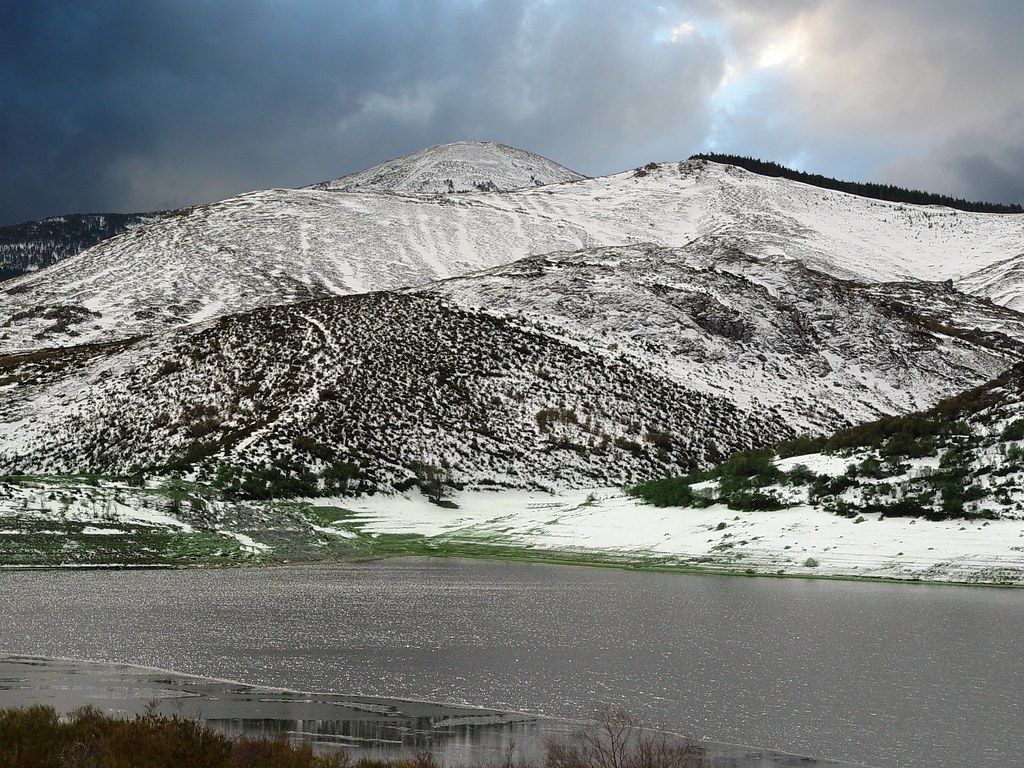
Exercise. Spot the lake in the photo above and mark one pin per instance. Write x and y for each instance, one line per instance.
(880, 674)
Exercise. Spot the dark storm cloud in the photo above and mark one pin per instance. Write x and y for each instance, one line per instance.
(121, 105)
(981, 163)
(139, 105)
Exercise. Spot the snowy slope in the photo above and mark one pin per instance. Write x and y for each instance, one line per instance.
(958, 461)
(598, 367)
(763, 333)
(276, 246)
(463, 166)
(1002, 282)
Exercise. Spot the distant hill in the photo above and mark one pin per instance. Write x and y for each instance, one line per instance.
(33, 245)
(875, 191)
(463, 166)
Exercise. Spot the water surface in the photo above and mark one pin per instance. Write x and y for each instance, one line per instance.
(881, 674)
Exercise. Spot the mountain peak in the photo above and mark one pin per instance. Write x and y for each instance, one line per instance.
(462, 166)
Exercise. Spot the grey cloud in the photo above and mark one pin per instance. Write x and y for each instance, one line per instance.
(928, 66)
(118, 105)
(131, 106)
(922, 93)
(983, 163)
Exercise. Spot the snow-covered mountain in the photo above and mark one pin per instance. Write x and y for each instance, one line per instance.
(581, 333)
(463, 166)
(272, 247)
(598, 367)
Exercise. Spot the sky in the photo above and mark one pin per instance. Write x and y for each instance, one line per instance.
(137, 105)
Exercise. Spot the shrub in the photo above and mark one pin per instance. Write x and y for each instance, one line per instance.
(618, 740)
(910, 506)
(872, 468)
(757, 464)
(800, 474)
(753, 501)
(167, 368)
(36, 737)
(800, 446)
(908, 445)
(669, 492)
(825, 486)
(1014, 430)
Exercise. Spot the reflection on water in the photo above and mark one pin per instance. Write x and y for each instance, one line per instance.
(891, 675)
(366, 727)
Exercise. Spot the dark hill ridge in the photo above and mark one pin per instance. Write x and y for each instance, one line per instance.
(875, 191)
(372, 388)
(33, 245)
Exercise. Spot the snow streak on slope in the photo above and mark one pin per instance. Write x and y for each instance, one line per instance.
(1002, 282)
(464, 166)
(277, 246)
(763, 333)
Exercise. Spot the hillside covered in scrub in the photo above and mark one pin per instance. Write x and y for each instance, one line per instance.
(962, 459)
(592, 368)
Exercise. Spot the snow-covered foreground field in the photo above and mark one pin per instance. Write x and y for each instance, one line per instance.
(608, 525)
(81, 522)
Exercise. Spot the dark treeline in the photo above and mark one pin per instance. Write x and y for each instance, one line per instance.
(876, 191)
(37, 244)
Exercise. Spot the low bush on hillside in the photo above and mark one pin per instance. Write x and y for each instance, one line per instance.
(670, 492)
(800, 446)
(740, 480)
(1014, 430)
(911, 436)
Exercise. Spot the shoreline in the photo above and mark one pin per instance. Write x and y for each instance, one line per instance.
(94, 680)
(70, 523)
(553, 557)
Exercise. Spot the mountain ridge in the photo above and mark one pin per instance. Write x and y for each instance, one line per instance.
(32, 245)
(277, 246)
(873, 190)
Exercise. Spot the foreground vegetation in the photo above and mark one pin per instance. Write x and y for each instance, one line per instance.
(962, 459)
(36, 737)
